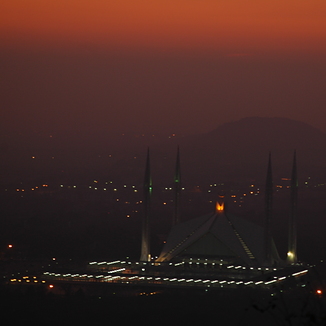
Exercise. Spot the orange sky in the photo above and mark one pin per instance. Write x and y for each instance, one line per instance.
(230, 25)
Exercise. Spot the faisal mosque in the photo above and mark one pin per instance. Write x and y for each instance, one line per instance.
(216, 250)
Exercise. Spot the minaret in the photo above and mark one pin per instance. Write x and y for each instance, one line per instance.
(145, 242)
(268, 212)
(292, 245)
(177, 190)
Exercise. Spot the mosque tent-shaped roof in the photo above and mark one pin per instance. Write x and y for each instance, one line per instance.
(217, 236)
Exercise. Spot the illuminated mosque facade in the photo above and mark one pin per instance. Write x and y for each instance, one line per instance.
(212, 251)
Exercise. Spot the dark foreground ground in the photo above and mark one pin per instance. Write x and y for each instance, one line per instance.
(36, 305)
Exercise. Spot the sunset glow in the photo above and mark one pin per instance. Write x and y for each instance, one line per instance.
(209, 25)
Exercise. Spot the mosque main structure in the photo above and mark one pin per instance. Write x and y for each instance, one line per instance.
(212, 251)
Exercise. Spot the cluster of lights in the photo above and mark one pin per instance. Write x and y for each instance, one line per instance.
(26, 279)
(96, 182)
(115, 267)
(33, 188)
(147, 294)
(168, 280)
(170, 188)
(190, 262)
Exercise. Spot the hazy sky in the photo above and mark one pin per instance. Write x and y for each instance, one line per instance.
(152, 65)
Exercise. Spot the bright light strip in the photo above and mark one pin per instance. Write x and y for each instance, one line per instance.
(113, 262)
(116, 270)
(108, 278)
(269, 282)
(298, 273)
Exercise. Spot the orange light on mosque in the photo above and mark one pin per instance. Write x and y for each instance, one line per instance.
(219, 207)
(319, 292)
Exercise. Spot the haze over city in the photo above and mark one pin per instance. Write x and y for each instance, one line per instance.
(87, 87)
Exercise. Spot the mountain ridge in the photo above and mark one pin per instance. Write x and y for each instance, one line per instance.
(242, 148)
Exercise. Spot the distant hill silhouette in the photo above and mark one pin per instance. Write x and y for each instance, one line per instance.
(234, 151)
(240, 150)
